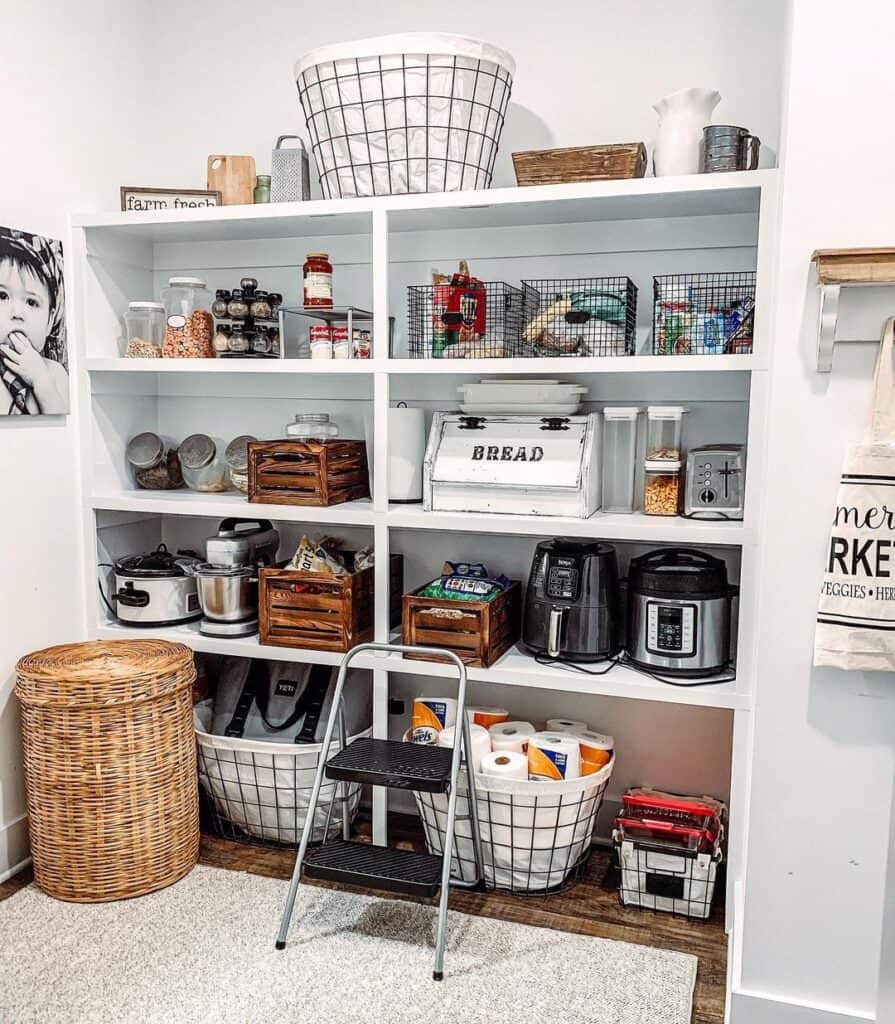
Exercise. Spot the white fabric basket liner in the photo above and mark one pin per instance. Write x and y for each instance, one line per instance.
(264, 787)
(533, 833)
(419, 112)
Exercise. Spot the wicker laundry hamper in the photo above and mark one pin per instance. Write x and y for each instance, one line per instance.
(110, 767)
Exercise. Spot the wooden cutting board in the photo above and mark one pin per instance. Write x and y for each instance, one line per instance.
(233, 177)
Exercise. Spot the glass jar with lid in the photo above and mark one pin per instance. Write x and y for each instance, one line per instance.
(154, 462)
(318, 281)
(237, 458)
(248, 286)
(262, 189)
(189, 328)
(145, 327)
(239, 342)
(663, 432)
(312, 426)
(260, 308)
(222, 339)
(237, 307)
(203, 462)
(219, 306)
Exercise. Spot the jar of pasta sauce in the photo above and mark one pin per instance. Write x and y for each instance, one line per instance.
(318, 281)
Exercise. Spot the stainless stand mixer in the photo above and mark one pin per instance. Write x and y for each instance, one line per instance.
(228, 581)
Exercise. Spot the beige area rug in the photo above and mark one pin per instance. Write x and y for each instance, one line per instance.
(202, 952)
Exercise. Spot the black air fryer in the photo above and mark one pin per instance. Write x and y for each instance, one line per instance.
(572, 605)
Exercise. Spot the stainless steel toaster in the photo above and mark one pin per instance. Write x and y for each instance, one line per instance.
(716, 482)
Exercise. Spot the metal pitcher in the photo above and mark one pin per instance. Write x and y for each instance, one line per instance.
(290, 178)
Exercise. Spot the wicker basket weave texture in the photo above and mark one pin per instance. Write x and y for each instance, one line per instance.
(110, 767)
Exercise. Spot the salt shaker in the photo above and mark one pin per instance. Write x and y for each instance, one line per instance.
(290, 178)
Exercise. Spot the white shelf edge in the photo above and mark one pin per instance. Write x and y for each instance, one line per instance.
(620, 188)
(436, 367)
(230, 503)
(634, 527)
(514, 669)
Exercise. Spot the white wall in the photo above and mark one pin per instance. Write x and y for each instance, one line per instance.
(588, 71)
(72, 123)
(823, 767)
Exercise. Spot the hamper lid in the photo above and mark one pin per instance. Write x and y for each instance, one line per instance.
(407, 42)
(103, 673)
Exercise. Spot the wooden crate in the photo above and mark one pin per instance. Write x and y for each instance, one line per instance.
(322, 612)
(580, 163)
(308, 472)
(478, 632)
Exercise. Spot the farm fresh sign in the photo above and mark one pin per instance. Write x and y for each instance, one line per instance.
(151, 199)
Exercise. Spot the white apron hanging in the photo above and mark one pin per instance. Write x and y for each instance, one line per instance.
(856, 611)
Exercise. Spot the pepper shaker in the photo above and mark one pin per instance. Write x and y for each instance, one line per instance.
(290, 178)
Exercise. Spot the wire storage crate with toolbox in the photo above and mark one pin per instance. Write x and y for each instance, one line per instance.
(669, 851)
(704, 314)
(584, 316)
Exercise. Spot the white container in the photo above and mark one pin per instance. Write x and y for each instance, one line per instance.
(619, 457)
(682, 117)
(145, 327)
(419, 112)
(662, 487)
(657, 879)
(663, 432)
(516, 465)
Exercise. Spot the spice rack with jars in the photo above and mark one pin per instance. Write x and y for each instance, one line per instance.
(247, 322)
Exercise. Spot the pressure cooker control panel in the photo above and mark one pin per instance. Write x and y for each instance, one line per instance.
(671, 629)
(562, 578)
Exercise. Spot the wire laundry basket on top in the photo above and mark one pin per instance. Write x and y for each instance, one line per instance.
(419, 112)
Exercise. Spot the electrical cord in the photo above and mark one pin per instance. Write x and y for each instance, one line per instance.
(102, 593)
(611, 663)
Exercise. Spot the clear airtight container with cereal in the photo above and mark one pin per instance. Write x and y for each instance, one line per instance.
(145, 326)
(662, 487)
(189, 327)
(663, 432)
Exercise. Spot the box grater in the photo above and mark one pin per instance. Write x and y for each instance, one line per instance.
(290, 179)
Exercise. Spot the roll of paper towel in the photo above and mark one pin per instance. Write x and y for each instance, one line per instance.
(596, 751)
(506, 764)
(481, 742)
(487, 716)
(511, 736)
(406, 450)
(553, 756)
(430, 715)
(566, 725)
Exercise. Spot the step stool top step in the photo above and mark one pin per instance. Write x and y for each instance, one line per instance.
(423, 768)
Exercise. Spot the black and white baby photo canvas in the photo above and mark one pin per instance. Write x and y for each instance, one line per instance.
(33, 350)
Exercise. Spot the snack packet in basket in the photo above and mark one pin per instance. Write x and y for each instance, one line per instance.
(312, 557)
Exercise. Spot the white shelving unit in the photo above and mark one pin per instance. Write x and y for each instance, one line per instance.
(379, 246)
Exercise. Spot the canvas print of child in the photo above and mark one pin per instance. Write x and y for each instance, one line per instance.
(33, 353)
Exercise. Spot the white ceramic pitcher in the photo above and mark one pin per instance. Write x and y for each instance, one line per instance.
(682, 116)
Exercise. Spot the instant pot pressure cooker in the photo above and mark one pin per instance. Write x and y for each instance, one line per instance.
(679, 606)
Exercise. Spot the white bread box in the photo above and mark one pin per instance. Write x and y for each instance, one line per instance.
(516, 465)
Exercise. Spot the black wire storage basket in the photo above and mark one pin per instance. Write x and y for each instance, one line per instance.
(581, 316)
(446, 321)
(417, 113)
(259, 792)
(536, 836)
(682, 883)
(704, 314)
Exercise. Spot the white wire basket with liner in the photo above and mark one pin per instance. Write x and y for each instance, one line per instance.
(418, 112)
(263, 788)
(535, 835)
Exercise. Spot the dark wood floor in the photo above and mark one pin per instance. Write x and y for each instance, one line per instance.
(589, 907)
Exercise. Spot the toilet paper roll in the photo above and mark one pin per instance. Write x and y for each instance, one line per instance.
(553, 756)
(433, 713)
(406, 450)
(481, 742)
(566, 725)
(506, 764)
(487, 717)
(596, 751)
(511, 736)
